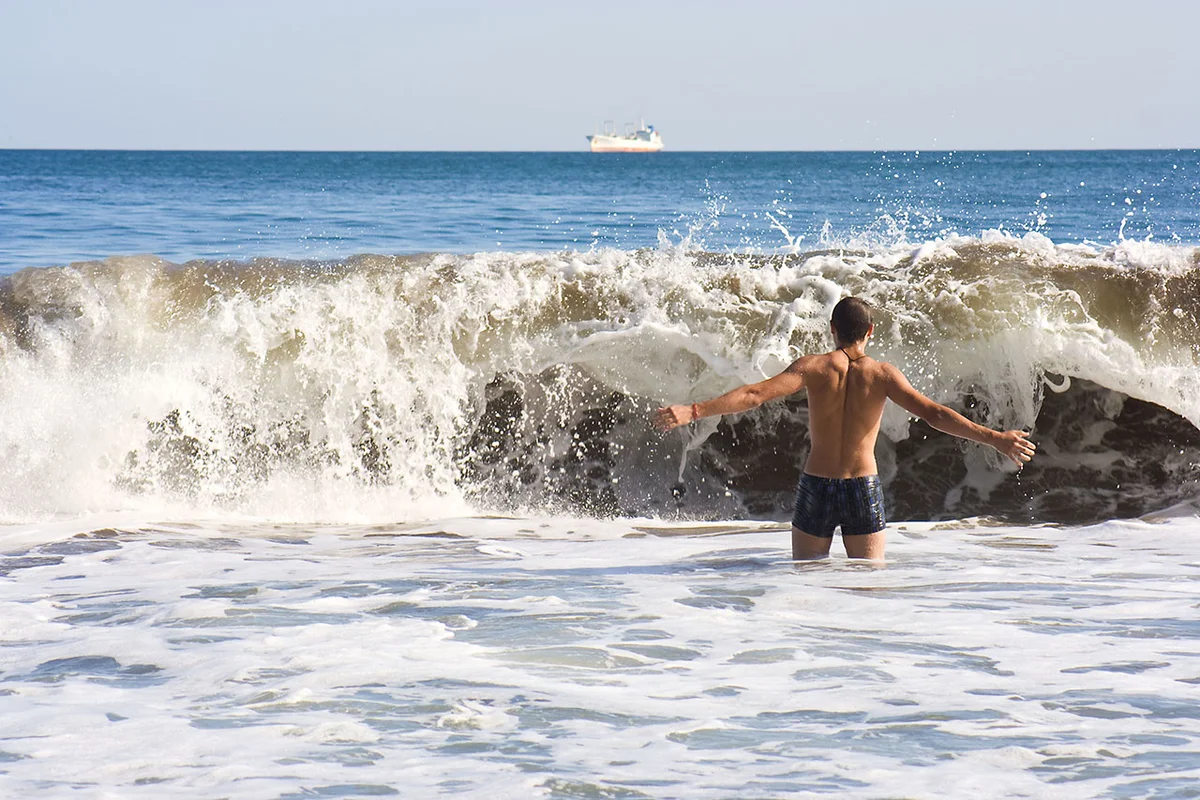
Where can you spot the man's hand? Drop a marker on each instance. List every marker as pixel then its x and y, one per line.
pixel 1016 446
pixel 673 416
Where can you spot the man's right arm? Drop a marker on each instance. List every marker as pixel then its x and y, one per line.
pixel 1014 444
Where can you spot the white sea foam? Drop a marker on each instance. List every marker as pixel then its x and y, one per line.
pixel 603 658
pixel 437 385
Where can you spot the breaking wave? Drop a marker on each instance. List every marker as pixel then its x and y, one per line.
pixel 405 387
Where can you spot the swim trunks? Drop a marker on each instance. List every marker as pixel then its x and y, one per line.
pixel 823 504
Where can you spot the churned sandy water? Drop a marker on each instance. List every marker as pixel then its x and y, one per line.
pixel 567 658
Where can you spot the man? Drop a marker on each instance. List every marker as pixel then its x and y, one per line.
pixel 847 391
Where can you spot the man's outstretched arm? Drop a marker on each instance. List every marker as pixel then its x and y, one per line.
pixel 1015 445
pixel 743 398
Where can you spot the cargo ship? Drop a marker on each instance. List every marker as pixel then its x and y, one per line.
pixel 643 139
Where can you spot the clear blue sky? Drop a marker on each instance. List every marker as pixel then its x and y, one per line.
pixel 541 74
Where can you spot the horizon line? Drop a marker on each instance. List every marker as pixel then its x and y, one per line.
pixel 589 153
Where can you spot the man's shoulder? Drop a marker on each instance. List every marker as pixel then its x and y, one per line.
pixel 822 362
pixel 887 368
pixel 809 363
pixel 884 370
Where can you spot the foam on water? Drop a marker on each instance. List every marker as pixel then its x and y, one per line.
pixel 437 384
pixel 566 658
pixel 246 557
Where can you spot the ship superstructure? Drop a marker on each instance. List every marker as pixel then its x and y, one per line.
pixel 643 139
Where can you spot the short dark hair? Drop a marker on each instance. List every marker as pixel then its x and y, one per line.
pixel 851 319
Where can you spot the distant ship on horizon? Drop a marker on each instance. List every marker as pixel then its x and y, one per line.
pixel 643 139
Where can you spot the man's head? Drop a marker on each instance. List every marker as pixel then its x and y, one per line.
pixel 851 321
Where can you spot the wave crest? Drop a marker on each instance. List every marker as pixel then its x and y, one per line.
pixel 388 386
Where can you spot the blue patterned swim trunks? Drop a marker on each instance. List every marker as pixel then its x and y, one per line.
pixel 823 504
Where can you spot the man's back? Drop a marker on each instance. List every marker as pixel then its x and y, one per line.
pixel 846 396
pixel 847 391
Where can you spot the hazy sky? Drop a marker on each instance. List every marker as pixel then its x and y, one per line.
pixel 541 74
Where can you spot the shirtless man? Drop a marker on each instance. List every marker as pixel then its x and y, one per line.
pixel 847 391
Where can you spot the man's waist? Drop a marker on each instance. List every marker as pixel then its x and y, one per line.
pixel 865 477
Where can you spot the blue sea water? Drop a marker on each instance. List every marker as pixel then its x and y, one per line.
pixel 57 207
pixel 331 475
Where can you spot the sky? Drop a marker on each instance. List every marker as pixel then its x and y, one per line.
pixel 542 74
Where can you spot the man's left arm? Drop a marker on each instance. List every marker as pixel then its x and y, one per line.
pixel 743 398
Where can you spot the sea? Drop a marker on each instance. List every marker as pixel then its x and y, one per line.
pixel 332 475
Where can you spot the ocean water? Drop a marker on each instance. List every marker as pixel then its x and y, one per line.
pixel 60 207
pixel 331 475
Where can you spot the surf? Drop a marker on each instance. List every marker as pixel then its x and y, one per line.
pixel 409 387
